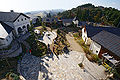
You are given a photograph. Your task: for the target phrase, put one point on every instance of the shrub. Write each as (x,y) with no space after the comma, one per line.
(39,49)
(76,35)
(95,57)
(58,31)
(12,76)
(81,65)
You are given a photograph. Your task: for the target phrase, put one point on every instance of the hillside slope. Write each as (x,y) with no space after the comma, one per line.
(99,14)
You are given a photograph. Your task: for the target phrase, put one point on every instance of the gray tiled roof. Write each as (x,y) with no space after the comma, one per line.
(9,16)
(67,20)
(7,27)
(109,41)
(91,31)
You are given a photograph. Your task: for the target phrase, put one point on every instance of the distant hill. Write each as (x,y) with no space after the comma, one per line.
(91,13)
(43,13)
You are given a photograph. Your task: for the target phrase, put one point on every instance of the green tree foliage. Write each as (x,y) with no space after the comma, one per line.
(88,12)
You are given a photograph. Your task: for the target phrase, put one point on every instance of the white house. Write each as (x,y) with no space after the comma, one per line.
(86,36)
(18,21)
(37,31)
(79,23)
(75,21)
(90,31)
(6,35)
(12,25)
(106,42)
(95,47)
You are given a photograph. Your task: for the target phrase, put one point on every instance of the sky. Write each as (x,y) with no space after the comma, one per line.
(35,5)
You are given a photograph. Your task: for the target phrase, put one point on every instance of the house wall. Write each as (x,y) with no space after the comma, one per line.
(95,47)
(86,39)
(20,22)
(76,22)
(5,42)
(84,34)
(66,24)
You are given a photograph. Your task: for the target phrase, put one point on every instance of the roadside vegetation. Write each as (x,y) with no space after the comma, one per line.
(61,42)
(8,68)
(37,48)
(88,12)
(91,57)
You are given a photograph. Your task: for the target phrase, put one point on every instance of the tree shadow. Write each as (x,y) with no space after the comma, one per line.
(32,68)
(66,50)
(43,70)
(50,54)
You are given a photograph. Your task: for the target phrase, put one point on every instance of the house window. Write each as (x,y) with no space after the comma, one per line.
(2,38)
(96,51)
(21,19)
(23,27)
(25,18)
(18,20)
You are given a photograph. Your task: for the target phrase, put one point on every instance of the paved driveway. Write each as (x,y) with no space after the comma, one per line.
(73,44)
(64,68)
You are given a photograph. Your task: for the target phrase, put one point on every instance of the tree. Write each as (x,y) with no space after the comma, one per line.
(117,22)
(49,15)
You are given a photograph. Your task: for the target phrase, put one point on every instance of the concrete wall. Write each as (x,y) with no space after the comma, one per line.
(12,52)
(95,47)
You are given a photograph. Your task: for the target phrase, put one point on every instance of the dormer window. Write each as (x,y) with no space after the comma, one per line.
(25,18)
(21,19)
(18,20)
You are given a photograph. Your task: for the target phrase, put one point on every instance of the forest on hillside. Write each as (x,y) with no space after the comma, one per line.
(88,12)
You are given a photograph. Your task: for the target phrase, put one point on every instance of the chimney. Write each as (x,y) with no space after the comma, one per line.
(11,10)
